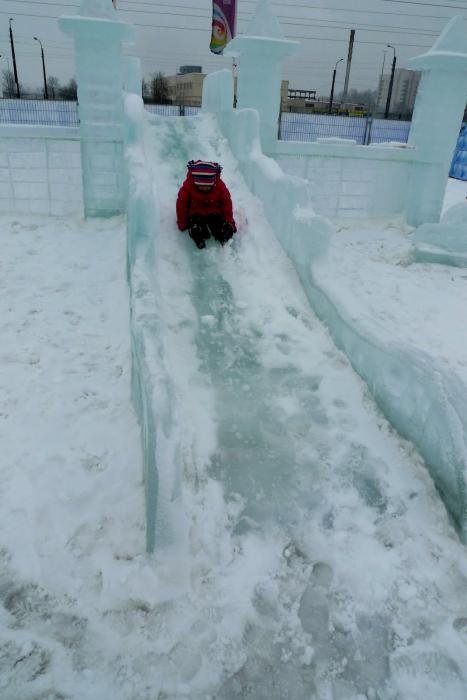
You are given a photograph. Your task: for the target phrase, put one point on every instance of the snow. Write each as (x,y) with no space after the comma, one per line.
(320,562)
(420,305)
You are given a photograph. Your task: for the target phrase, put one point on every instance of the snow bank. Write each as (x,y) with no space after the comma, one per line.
(152,390)
(421,399)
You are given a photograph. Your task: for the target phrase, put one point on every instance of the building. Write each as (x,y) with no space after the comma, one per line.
(186,88)
(404,91)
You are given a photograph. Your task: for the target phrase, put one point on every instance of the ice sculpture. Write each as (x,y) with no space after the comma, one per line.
(446,242)
(459,162)
(98,34)
(262,50)
(437,120)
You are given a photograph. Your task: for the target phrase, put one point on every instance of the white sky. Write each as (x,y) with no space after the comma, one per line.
(177,32)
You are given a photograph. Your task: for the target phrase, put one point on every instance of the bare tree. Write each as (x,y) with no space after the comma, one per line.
(69,91)
(159,89)
(8,84)
(53,87)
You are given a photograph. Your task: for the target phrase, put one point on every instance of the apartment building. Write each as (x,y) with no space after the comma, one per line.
(404,91)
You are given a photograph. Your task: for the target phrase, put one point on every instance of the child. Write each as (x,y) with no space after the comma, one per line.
(204,205)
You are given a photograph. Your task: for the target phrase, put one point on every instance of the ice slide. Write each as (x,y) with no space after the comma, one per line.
(314,557)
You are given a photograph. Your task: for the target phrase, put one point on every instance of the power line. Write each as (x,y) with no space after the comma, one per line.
(371,26)
(427,4)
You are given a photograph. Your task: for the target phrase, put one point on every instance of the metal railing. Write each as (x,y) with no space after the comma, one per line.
(295,126)
(39,112)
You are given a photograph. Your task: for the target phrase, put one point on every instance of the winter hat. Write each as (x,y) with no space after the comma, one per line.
(204,172)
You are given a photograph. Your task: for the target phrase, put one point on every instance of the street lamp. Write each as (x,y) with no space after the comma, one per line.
(46,92)
(391,82)
(333,84)
(18,94)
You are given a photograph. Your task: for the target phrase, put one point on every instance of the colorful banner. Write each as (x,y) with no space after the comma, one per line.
(223,24)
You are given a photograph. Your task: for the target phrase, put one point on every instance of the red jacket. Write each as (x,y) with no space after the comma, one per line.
(191,201)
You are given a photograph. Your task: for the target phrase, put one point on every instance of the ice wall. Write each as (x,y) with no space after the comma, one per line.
(98,35)
(40,170)
(152,391)
(350,181)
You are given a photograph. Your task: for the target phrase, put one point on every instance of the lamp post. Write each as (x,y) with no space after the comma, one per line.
(391,82)
(333,84)
(46,92)
(18,94)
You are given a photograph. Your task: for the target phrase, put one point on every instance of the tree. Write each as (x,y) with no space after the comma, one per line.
(146,90)
(69,91)
(159,89)
(53,87)
(8,84)
(366,98)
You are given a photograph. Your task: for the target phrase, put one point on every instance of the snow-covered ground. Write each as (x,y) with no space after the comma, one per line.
(422,305)
(321,563)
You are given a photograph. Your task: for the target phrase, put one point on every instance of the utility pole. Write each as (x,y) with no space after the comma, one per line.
(391,82)
(46,92)
(18,94)
(333,84)
(349,63)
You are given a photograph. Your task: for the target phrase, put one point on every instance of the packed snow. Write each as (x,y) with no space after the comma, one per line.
(320,563)
(369,272)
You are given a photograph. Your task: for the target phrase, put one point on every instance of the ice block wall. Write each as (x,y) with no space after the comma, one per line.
(40,170)
(98,34)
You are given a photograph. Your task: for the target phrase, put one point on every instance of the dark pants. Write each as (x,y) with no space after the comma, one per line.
(201,228)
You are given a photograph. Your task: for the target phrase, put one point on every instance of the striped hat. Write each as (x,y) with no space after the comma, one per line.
(204,172)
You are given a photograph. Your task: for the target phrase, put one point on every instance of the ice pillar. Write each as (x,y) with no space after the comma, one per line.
(261,53)
(98,34)
(439,108)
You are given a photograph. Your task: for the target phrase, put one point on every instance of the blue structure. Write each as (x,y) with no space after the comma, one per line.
(459,162)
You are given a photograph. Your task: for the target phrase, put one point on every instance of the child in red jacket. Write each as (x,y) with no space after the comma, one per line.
(204,205)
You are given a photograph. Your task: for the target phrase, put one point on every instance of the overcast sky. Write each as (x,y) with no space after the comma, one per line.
(177,32)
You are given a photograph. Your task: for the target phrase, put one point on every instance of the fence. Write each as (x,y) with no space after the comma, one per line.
(364,130)
(292,126)
(43,112)
(65,113)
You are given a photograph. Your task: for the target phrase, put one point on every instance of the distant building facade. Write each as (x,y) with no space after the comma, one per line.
(404,91)
(186,88)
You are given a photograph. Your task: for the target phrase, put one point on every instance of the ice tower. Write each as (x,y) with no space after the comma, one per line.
(98,34)
(262,50)
(437,119)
